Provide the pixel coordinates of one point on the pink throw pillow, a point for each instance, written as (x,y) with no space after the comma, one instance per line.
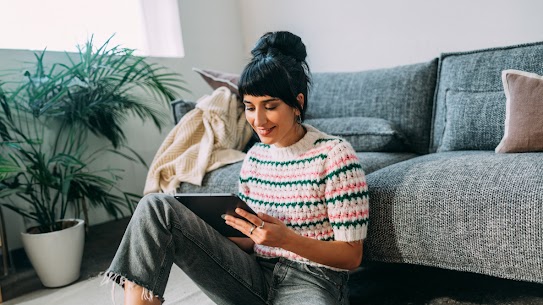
(523,112)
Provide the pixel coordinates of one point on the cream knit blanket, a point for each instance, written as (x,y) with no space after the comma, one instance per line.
(208,137)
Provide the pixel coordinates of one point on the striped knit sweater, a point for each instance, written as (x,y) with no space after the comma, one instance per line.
(315,186)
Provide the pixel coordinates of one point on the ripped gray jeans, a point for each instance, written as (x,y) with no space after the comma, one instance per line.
(163,231)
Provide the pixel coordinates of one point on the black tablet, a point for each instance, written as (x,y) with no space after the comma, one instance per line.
(210,207)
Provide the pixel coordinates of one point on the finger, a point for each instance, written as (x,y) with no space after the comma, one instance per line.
(268,218)
(239,224)
(237,221)
(240,227)
(250,217)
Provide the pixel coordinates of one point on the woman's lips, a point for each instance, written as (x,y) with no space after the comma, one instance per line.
(265,132)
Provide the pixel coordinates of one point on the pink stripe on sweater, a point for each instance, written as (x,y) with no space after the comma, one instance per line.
(359,186)
(279,176)
(356,215)
(289,199)
(307,219)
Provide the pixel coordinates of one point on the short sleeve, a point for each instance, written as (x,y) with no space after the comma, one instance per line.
(346,194)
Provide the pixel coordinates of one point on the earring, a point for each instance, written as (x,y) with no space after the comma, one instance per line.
(299,119)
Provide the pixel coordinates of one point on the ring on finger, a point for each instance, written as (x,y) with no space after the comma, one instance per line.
(252,229)
(262,225)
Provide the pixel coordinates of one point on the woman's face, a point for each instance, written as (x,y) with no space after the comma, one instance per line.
(273,120)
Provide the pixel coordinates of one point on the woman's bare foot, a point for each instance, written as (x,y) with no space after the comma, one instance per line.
(134,295)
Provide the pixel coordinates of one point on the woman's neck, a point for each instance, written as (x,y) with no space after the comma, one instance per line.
(297,134)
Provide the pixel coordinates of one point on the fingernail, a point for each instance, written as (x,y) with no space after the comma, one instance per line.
(223,216)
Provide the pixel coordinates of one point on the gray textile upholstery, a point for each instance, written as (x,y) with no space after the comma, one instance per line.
(479,72)
(474,211)
(180,108)
(364,134)
(221,180)
(474,120)
(372,161)
(402,95)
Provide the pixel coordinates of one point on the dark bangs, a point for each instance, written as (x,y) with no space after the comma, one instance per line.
(265,77)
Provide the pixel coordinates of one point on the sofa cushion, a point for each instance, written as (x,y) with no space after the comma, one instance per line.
(180,108)
(524,112)
(472,211)
(216,79)
(477,74)
(402,95)
(474,120)
(373,161)
(222,180)
(364,134)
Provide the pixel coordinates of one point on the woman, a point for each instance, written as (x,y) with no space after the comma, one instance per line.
(307,188)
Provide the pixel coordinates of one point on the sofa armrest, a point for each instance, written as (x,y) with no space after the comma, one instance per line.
(180,108)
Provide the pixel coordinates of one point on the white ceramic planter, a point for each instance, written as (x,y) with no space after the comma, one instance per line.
(56,256)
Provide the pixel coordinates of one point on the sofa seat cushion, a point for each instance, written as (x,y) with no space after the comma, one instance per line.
(222,180)
(473,211)
(372,161)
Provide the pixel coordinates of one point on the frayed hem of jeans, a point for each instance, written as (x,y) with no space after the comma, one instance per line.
(116,278)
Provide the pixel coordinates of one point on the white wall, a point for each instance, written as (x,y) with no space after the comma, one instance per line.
(212,39)
(351,35)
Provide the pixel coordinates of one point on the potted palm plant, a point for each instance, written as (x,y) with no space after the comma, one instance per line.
(47,170)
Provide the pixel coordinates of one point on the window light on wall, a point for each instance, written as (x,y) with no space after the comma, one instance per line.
(152,27)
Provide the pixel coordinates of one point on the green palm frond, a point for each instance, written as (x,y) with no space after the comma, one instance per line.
(96,92)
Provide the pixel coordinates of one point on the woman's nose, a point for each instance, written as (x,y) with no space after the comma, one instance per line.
(260,118)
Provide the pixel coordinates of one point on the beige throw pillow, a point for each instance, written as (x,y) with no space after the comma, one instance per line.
(217,79)
(523,112)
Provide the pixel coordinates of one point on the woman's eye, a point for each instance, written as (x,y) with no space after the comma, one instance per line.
(249,109)
(270,108)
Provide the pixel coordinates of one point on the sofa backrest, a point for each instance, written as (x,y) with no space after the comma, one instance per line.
(469,110)
(402,95)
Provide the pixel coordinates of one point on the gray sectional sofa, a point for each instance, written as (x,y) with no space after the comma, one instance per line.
(425,135)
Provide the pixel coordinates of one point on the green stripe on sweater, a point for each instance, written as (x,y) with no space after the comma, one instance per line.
(303,203)
(347,196)
(343,170)
(317,182)
(276,204)
(283,163)
(273,183)
(328,140)
(338,225)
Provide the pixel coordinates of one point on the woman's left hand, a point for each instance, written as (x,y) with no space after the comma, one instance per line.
(262,229)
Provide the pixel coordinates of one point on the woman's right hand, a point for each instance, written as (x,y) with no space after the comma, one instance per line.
(263,229)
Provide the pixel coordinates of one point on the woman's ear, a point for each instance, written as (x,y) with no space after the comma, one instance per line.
(301,100)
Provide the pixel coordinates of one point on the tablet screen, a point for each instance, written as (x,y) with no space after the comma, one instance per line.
(210,207)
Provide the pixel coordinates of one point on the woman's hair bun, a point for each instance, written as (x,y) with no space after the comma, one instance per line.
(278,69)
(282,42)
